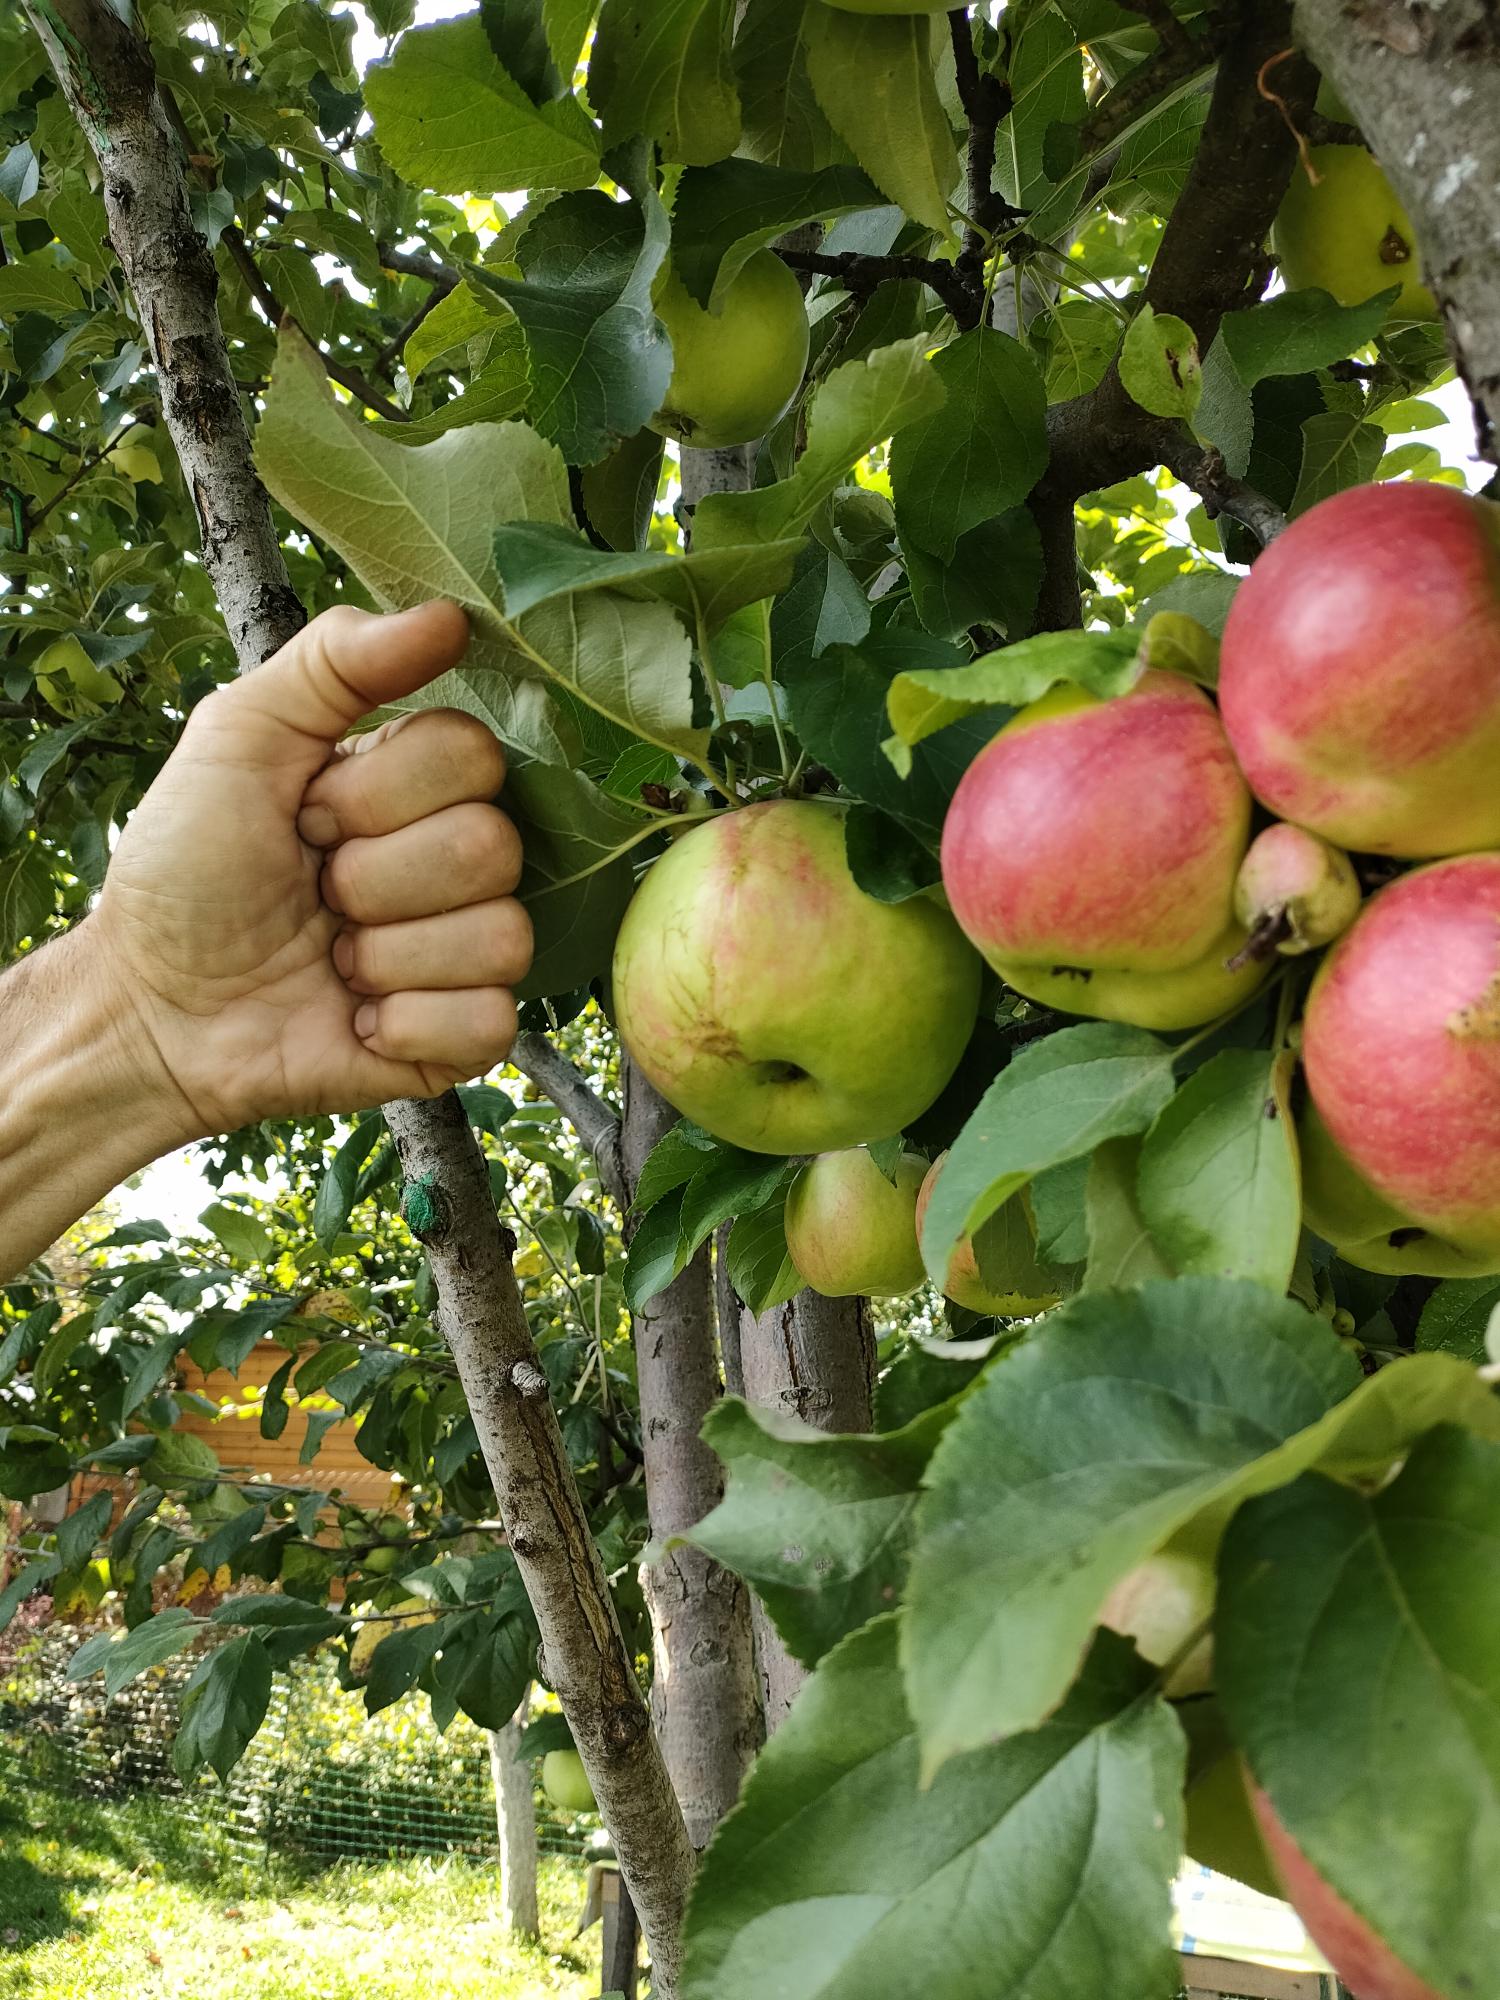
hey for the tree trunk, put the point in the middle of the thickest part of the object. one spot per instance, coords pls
(1424, 84)
(813, 1358)
(106, 73)
(515, 1822)
(704, 1698)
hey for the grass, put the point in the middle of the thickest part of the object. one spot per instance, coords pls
(101, 1900)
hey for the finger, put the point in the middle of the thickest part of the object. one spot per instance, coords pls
(488, 944)
(465, 854)
(437, 759)
(466, 1033)
(338, 668)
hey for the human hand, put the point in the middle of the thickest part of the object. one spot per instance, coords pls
(301, 924)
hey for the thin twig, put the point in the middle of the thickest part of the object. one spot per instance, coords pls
(545, 1065)
(363, 391)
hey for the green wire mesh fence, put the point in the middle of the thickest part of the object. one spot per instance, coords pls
(321, 1782)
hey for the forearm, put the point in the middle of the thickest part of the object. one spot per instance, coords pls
(84, 1105)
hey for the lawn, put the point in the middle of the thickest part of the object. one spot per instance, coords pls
(100, 1900)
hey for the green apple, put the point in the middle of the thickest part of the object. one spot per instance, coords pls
(734, 371)
(1160, 1604)
(1002, 1277)
(1221, 1829)
(851, 1232)
(773, 1002)
(1348, 234)
(64, 668)
(566, 1783)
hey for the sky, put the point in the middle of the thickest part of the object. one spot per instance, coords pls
(173, 1190)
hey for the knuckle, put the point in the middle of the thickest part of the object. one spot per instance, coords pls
(475, 750)
(513, 939)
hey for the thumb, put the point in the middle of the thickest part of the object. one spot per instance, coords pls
(338, 668)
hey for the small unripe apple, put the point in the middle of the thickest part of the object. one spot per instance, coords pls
(136, 459)
(1222, 1832)
(773, 1002)
(1090, 853)
(1015, 1284)
(1401, 1044)
(1360, 673)
(566, 1783)
(1363, 1961)
(850, 1231)
(734, 371)
(1297, 889)
(1347, 234)
(1160, 1604)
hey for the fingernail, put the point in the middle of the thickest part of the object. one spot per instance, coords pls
(329, 893)
(366, 1020)
(317, 826)
(343, 955)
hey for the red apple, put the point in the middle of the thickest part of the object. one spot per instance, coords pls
(850, 1231)
(1014, 1283)
(1360, 673)
(1402, 1049)
(1365, 1963)
(1090, 853)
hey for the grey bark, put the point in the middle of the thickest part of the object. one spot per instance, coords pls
(515, 1824)
(107, 76)
(813, 1358)
(450, 1208)
(1424, 85)
(705, 1701)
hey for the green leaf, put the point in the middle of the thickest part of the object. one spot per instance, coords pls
(180, 1459)
(600, 358)
(1297, 332)
(723, 214)
(336, 1190)
(1038, 1867)
(994, 579)
(662, 67)
(27, 898)
(820, 1526)
(29, 1577)
(576, 878)
(671, 1163)
(449, 118)
(397, 1662)
(495, 1670)
(223, 1705)
(653, 1259)
(1044, 71)
(1105, 663)
(567, 24)
(147, 1369)
(783, 126)
(1361, 1677)
(857, 407)
(873, 77)
(1159, 364)
(887, 861)
(123, 1656)
(728, 1182)
(978, 454)
(756, 1258)
(838, 702)
(419, 522)
(1219, 1182)
(1225, 416)
(1055, 1101)
(1456, 1319)
(466, 313)
(1121, 1249)
(245, 1239)
(1124, 1420)
(538, 561)
(1339, 450)
(78, 1531)
(619, 493)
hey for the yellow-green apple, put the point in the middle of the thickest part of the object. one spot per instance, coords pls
(1360, 674)
(1362, 1959)
(1401, 1044)
(1014, 1283)
(1365, 1229)
(852, 1232)
(1345, 232)
(1090, 853)
(1160, 1604)
(1295, 890)
(736, 370)
(1222, 1832)
(773, 1002)
(566, 1783)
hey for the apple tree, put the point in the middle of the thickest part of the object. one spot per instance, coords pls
(1001, 700)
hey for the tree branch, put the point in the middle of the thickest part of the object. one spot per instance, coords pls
(1220, 491)
(860, 273)
(1424, 85)
(413, 264)
(106, 73)
(591, 1118)
(985, 98)
(1172, 66)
